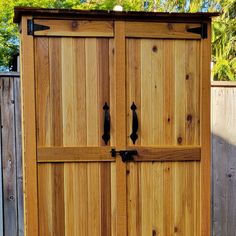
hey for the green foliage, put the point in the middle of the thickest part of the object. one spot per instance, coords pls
(224, 42)
(223, 35)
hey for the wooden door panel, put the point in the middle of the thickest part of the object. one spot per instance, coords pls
(74, 77)
(163, 80)
(76, 173)
(77, 199)
(163, 198)
(163, 184)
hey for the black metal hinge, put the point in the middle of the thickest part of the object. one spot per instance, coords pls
(32, 27)
(202, 30)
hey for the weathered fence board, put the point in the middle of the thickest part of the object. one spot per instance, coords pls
(9, 157)
(1, 187)
(11, 189)
(19, 158)
(223, 160)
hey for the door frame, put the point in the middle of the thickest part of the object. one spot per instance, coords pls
(29, 129)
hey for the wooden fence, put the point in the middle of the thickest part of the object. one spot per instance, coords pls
(11, 199)
(223, 158)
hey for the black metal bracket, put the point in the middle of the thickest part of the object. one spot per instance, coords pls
(202, 30)
(126, 155)
(32, 27)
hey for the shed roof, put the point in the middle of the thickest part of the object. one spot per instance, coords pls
(112, 15)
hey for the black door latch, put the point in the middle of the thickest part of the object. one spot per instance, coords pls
(126, 155)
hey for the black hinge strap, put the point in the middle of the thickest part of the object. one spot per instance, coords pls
(32, 27)
(202, 30)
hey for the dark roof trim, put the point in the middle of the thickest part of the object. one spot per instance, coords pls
(111, 15)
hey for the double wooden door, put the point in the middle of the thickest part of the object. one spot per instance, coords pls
(83, 190)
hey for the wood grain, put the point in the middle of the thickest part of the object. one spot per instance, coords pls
(9, 161)
(167, 153)
(160, 30)
(167, 92)
(73, 154)
(29, 133)
(205, 134)
(75, 28)
(120, 101)
(19, 174)
(223, 160)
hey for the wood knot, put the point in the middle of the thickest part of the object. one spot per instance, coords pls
(188, 76)
(127, 172)
(74, 24)
(229, 175)
(179, 140)
(189, 118)
(175, 229)
(154, 48)
(168, 119)
(154, 233)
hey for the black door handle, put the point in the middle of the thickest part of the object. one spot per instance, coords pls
(134, 135)
(107, 126)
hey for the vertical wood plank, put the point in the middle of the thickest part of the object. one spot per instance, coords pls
(29, 133)
(157, 92)
(20, 207)
(69, 99)
(105, 170)
(113, 199)
(94, 199)
(56, 128)
(80, 75)
(120, 96)
(169, 198)
(9, 156)
(43, 98)
(58, 202)
(180, 92)
(82, 199)
(1, 173)
(145, 90)
(158, 199)
(103, 82)
(92, 92)
(45, 191)
(133, 84)
(169, 94)
(147, 198)
(205, 132)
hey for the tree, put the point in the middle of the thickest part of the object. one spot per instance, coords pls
(224, 42)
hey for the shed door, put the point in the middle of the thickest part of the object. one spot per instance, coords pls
(82, 190)
(163, 181)
(76, 174)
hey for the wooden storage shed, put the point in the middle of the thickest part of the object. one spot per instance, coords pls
(116, 122)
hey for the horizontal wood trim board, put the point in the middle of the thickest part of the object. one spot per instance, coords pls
(75, 28)
(74, 154)
(160, 30)
(223, 84)
(167, 153)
